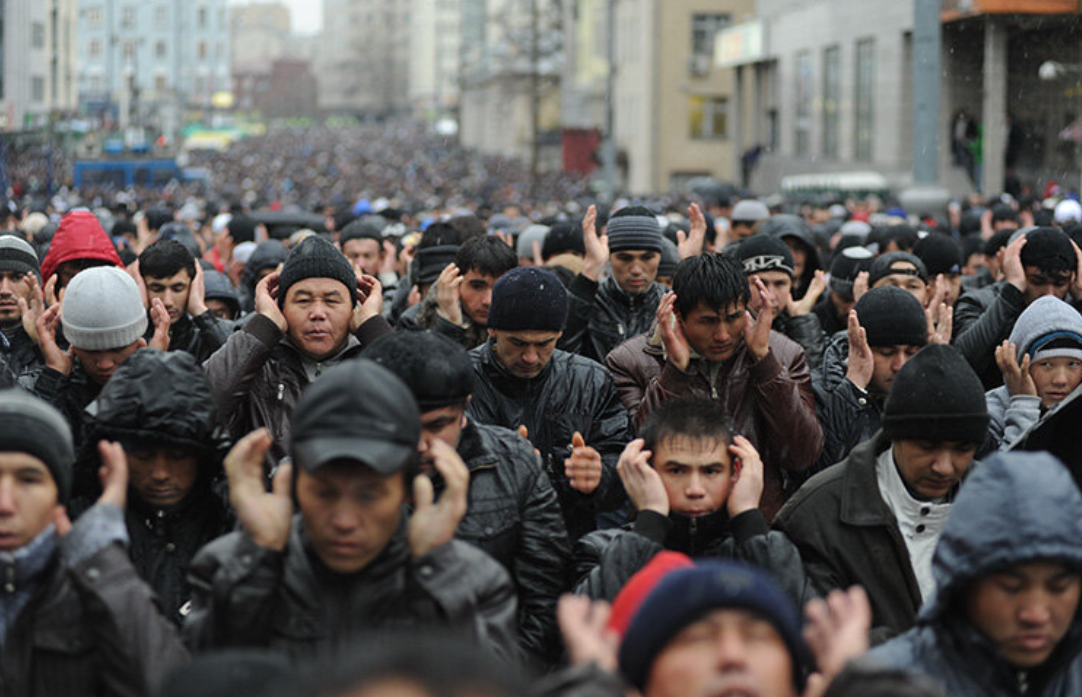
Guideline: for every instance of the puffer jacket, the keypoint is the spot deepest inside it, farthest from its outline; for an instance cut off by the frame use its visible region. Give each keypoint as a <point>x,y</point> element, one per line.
<point>79,236</point>
<point>606,559</point>
<point>513,515</point>
<point>847,535</point>
<point>200,336</point>
<point>258,375</point>
<point>804,330</point>
<point>983,319</point>
<point>249,596</point>
<point>570,394</point>
<point>425,315</point>
<point>164,400</point>
<point>1013,509</point>
<point>19,357</point>
<point>601,316</point>
<point>848,414</point>
<point>91,627</point>
<point>771,403</point>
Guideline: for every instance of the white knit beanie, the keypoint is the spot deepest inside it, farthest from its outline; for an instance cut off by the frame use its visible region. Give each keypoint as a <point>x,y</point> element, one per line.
<point>102,309</point>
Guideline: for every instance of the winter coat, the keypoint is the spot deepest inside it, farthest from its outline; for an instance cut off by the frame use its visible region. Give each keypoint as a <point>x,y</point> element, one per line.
<point>983,319</point>
<point>804,330</point>
<point>513,514</point>
<point>249,596</point>
<point>770,402</point>
<point>1009,512</point>
<point>92,627</point>
<point>847,535</point>
<point>425,315</point>
<point>570,394</point>
<point>848,414</point>
<point>601,316</point>
<point>19,357</point>
<point>606,559</point>
<point>200,336</point>
<point>80,236</point>
<point>828,315</point>
<point>71,394</point>
<point>257,376</point>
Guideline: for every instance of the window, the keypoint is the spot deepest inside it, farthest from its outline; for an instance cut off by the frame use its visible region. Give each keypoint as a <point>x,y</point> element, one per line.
<point>37,34</point>
<point>95,84</point>
<point>831,97</point>
<point>803,92</point>
<point>202,50</point>
<point>703,30</point>
<point>161,17</point>
<point>708,117</point>
<point>93,17</point>
<point>160,85</point>
<point>37,89</point>
<point>94,49</point>
<point>127,18</point>
<point>160,49</point>
<point>201,18</point>
<point>129,51</point>
<point>865,99</point>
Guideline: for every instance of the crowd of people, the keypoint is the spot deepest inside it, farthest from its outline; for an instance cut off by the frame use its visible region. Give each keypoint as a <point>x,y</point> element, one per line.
<point>434,438</point>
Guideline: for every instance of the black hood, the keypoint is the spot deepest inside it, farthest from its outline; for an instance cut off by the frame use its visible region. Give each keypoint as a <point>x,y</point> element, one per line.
<point>266,254</point>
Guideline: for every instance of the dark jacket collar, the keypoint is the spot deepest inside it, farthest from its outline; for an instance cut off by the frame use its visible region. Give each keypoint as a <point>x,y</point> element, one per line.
<point>504,378</point>
<point>693,535</point>
<point>473,449</point>
<point>862,503</point>
<point>612,290</point>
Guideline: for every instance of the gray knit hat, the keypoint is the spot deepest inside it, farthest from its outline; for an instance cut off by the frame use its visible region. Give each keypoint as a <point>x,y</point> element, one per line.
<point>17,255</point>
<point>534,233</point>
<point>638,232</point>
<point>32,426</point>
<point>102,309</point>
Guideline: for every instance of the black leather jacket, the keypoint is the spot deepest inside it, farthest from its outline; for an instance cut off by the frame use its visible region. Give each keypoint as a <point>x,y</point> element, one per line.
<point>200,336</point>
<point>19,356</point>
<point>601,316</point>
<point>570,394</point>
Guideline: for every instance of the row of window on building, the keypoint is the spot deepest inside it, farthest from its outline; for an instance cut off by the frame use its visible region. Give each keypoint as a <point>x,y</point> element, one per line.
<point>830,99</point>
<point>161,50</point>
<point>129,17</point>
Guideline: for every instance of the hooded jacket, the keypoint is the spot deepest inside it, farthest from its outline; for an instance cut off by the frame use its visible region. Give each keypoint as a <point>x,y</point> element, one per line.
<point>770,402</point>
<point>601,316</point>
<point>164,400</point>
<point>1010,415</point>
<point>80,236</point>
<point>1015,508</point>
<point>570,394</point>
<point>267,254</point>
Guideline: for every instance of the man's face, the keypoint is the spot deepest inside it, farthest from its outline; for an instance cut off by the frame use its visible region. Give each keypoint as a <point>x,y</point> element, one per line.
<point>741,229</point>
<point>715,334</point>
<point>220,308</point>
<point>1025,610</point>
<point>365,254</point>
<point>907,282</point>
<point>698,473</point>
<point>162,476</point>
<point>70,269</point>
<point>841,305</point>
<point>954,289</point>
<point>476,295</point>
<point>99,365</point>
<point>349,512</point>
<point>446,424</point>
<point>524,353</point>
<point>1041,283</point>
<point>318,312</point>
<point>728,652</point>
<point>634,271</point>
<point>887,361</point>
<point>13,285</point>
<point>931,470</point>
<point>800,255</point>
<point>1055,378</point>
<point>172,291</point>
<point>28,499</point>
<point>779,282</point>
<point>974,264</point>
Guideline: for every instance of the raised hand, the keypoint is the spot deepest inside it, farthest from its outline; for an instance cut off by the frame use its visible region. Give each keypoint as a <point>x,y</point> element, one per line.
<point>677,348</point>
<point>370,302</point>
<point>197,293</point>
<point>56,358</point>
<point>1015,375</point>
<point>748,488</point>
<point>807,303</point>
<point>53,298</point>
<point>861,363</point>
<point>434,524</point>
<point>160,317</point>
<point>113,473</point>
<point>448,299</point>
<point>641,481</point>
<point>757,330</point>
<point>265,516</point>
<point>1013,271</point>
<point>836,632</point>
<point>1076,283</point>
<point>584,626</point>
<point>266,300</point>
<point>860,285</point>
<point>597,247</point>
<point>940,324</point>
<point>691,244</point>
<point>583,468</point>
<point>32,307</point>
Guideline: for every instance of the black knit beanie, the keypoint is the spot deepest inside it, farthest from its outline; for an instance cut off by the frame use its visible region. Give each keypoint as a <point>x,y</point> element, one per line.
<point>528,299</point>
<point>936,397</point>
<point>637,229</point>
<point>315,257</point>
<point>32,426</point>
<point>940,254</point>
<point>563,238</point>
<point>891,316</point>
<point>765,253</point>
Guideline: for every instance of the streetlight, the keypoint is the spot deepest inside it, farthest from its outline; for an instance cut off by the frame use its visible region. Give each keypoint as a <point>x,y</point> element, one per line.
<point>1054,70</point>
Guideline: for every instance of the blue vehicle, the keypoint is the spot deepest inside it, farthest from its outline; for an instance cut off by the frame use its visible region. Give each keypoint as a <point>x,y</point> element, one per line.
<point>124,172</point>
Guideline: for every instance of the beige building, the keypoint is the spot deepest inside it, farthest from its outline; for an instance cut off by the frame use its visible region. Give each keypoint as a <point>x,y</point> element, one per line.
<point>37,62</point>
<point>259,34</point>
<point>671,116</point>
<point>435,57</point>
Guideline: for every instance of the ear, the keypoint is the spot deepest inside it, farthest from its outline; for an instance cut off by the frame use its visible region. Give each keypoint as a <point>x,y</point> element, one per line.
<point>142,343</point>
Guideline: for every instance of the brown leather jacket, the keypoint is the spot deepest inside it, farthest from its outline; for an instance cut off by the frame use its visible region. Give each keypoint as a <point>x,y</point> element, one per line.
<point>770,402</point>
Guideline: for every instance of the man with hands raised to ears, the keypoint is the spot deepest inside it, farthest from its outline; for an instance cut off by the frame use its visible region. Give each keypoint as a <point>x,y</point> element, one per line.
<point>696,488</point>
<point>708,345</point>
<point>350,558</point>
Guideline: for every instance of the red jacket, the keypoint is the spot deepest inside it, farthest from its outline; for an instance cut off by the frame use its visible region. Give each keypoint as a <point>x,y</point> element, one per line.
<point>80,236</point>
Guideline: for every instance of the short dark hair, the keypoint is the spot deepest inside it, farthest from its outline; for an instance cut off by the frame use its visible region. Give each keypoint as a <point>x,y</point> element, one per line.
<point>689,417</point>
<point>997,242</point>
<point>488,255</point>
<point>713,280</point>
<point>241,228</point>
<point>165,258</point>
<point>440,235</point>
<point>865,679</point>
<point>1004,212</point>
<point>469,226</point>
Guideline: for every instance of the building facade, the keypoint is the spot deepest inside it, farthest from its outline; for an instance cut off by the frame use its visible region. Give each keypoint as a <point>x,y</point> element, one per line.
<point>37,62</point>
<point>435,58</point>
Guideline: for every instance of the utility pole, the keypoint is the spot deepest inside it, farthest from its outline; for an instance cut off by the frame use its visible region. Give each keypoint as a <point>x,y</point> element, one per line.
<point>535,97</point>
<point>609,151</point>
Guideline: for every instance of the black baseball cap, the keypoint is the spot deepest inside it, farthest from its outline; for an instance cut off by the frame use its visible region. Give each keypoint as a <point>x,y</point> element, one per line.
<point>357,411</point>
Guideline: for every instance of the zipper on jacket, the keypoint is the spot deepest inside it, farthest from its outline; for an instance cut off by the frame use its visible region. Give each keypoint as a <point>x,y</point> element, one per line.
<point>9,578</point>
<point>281,391</point>
<point>693,529</point>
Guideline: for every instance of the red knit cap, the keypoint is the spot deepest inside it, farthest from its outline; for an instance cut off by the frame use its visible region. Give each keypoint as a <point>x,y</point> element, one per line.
<point>636,589</point>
